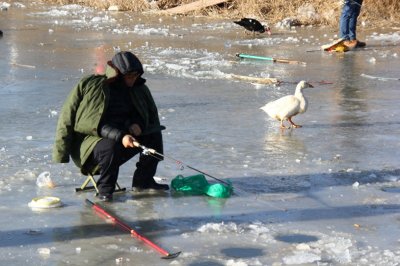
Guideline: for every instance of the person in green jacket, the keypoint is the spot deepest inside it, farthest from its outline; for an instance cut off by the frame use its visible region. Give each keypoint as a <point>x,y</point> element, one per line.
<point>102,122</point>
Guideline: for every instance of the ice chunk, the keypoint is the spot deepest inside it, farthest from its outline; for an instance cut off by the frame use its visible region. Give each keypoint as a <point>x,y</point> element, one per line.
<point>44,251</point>
<point>301,258</point>
<point>113,8</point>
<point>303,246</point>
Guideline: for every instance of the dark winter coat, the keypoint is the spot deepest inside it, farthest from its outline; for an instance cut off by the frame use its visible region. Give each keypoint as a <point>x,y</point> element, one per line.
<point>78,125</point>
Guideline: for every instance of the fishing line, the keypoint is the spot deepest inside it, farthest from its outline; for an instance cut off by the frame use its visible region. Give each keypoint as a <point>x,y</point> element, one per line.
<point>151,152</point>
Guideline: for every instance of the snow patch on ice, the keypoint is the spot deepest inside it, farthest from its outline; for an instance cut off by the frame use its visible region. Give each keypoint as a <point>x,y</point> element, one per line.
<point>301,257</point>
<point>391,38</point>
<point>240,262</point>
<point>145,30</point>
<point>186,63</point>
<point>219,228</point>
<point>267,41</point>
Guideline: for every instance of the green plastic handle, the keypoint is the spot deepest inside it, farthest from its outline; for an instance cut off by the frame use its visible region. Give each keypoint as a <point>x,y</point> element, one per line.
<point>255,57</point>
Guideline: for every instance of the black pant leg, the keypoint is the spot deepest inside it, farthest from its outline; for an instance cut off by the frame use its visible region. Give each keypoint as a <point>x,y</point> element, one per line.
<point>110,155</point>
<point>146,167</point>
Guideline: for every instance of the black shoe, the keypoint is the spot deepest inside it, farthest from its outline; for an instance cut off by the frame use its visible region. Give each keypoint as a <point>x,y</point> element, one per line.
<point>360,44</point>
<point>105,197</point>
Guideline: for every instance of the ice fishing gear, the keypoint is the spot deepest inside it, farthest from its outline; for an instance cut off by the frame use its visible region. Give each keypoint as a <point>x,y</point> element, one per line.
<point>104,214</point>
<point>222,190</point>
<point>45,202</point>
<point>275,60</point>
<point>90,179</point>
<point>198,185</point>
<point>154,153</point>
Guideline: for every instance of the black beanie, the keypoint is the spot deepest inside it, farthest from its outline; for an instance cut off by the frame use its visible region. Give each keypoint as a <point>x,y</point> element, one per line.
<point>127,62</point>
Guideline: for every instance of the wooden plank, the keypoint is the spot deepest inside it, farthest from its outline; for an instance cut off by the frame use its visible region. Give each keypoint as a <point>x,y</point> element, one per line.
<point>192,6</point>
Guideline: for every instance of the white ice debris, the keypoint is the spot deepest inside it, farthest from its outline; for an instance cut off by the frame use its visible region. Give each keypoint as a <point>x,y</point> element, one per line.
<point>218,228</point>
<point>44,251</point>
<point>112,246</point>
<point>236,263</point>
<point>113,8</point>
<point>53,113</point>
<point>287,23</point>
<point>338,250</point>
<point>228,44</point>
<point>301,257</point>
<point>54,13</point>
<point>135,249</point>
<point>303,246</point>
<point>143,29</point>
<point>175,67</point>
<point>391,178</point>
<point>372,60</point>
<point>390,38</point>
<point>29,137</point>
<point>355,185</point>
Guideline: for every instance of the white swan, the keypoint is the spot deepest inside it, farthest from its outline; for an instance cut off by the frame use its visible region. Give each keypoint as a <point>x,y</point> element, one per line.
<point>288,106</point>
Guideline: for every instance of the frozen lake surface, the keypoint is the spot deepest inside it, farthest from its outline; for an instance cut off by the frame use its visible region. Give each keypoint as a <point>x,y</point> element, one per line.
<point>324,194</point>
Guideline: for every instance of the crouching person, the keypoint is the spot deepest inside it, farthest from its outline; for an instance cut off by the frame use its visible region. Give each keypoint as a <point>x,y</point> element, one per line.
<point>102,121</point>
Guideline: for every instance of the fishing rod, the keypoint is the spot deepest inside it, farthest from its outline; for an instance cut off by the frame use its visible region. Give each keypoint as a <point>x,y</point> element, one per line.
<point>104,214</point>
<point>277,60</point>
<point>154,153</point>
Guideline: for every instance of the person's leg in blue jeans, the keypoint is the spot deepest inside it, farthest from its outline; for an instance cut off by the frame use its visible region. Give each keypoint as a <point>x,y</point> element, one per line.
<point>348,22</point>
<point>345,20</point>
<point>353,19</point>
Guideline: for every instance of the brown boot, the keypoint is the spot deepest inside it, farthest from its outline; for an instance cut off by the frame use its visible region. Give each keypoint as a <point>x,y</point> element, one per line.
<point>350,44</point>
<point>354,44</point>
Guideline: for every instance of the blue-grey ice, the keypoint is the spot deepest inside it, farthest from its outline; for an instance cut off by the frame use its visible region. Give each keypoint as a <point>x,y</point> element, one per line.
<point>324,194</point>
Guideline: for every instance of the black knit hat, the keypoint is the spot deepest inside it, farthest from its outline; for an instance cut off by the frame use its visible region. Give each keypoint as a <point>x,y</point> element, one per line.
<point>127,62</point>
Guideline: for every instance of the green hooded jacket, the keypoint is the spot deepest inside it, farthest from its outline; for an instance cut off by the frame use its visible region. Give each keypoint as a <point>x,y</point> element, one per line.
<point>77,128</point>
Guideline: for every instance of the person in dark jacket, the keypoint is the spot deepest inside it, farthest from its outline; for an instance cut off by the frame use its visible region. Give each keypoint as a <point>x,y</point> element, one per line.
<point>104,119</point>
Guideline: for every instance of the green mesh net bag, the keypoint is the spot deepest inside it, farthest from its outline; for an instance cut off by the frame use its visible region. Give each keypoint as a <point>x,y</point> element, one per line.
<point>219,190</point>
<point>198,185</point>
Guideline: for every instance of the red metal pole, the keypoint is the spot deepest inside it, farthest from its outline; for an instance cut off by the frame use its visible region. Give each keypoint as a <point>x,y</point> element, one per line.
<point>133,233</point>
